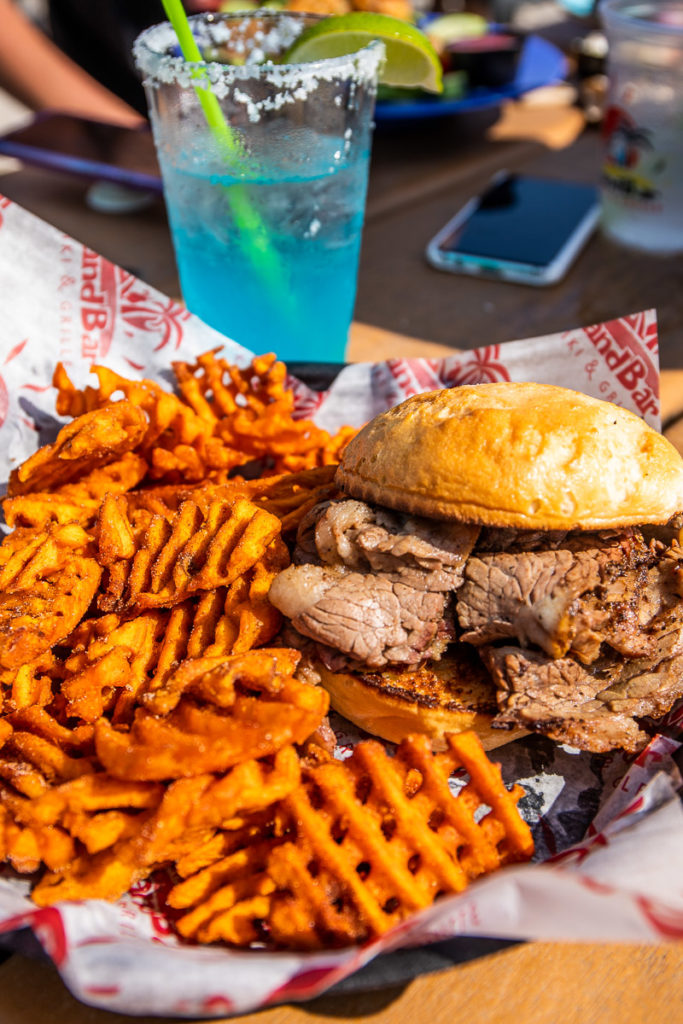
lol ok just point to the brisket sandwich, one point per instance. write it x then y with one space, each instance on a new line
504 557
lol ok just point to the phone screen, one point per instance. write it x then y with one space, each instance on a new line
522 219
91 148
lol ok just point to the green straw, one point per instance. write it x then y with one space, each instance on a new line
175 12
248 223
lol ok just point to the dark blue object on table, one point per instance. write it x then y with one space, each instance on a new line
540 63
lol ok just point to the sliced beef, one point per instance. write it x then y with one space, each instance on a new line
377 540
562 599
371 618
560 698
372 585
497 538
648 687
598 730
592 707
582 633
538 687
596 706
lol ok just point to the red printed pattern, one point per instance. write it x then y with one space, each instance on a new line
106 293
620 343
483 366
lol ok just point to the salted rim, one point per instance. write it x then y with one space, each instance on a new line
159 67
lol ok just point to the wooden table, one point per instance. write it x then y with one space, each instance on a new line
421 174
539 983
399 291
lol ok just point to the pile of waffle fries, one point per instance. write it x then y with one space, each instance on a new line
149 717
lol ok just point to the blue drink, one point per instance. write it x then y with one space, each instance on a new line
313 226
266 234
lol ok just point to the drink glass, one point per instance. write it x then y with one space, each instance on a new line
642 180
266 213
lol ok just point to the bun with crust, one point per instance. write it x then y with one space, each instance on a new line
447 696
530 456
540 621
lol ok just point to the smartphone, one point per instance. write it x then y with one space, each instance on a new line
522 229
90 149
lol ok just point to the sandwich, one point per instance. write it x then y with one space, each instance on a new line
504 557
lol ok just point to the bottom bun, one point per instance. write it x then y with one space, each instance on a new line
450 695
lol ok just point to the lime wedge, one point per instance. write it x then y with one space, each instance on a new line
410 61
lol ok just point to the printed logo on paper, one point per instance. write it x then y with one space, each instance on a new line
483 366
625 347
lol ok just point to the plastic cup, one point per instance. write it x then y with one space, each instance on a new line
642 180
266 228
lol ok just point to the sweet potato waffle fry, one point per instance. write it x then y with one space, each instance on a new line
46 586
253 412
247 709
287 495
78 502
82 445
197 550
224 418
148 718
364 843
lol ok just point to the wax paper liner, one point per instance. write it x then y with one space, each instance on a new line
608 831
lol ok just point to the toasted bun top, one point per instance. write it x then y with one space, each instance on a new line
521 455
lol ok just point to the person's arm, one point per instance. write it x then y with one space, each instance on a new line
36 72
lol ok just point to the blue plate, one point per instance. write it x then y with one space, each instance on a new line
540 63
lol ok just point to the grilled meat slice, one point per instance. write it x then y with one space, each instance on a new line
370 617
560 698
566 598
596 706
593 707
373 584
371 539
